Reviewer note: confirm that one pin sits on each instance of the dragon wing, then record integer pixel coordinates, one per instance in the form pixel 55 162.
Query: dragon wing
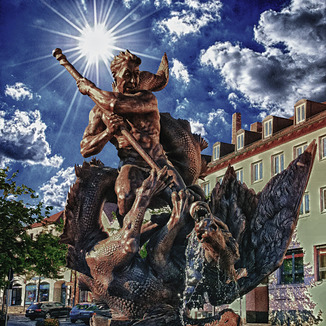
pixel 270 230
pixel 262 224
pixel 82 216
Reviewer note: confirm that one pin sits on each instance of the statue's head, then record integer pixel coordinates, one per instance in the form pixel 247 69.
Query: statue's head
pixel 199 210
pixel 125 70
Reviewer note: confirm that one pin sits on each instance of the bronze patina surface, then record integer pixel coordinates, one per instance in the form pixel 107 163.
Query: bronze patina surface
pixel 218 248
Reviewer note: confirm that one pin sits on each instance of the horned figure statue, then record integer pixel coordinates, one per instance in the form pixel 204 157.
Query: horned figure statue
pixel 221 247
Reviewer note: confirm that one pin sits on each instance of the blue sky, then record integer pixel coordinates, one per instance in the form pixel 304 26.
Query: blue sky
pixel 256 57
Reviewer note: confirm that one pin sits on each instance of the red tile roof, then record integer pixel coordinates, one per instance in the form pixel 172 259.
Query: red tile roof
pixel 285 135
pixel 55 218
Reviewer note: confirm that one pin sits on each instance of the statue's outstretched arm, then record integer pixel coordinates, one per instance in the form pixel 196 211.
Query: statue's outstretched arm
pixel 101 128
pixel 140 102
pixel 104 99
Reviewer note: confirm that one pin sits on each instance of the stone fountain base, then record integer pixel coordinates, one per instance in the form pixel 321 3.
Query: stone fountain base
pixel 227 317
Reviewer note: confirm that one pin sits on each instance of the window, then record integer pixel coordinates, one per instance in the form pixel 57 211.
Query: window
pixel 216 152
pixel 292 268
pixel 267 128
pixel 277 163
pixel 205 187
pixel 257 171
pixel 298 150
pixel 322 147
pixel 305 207
pixel 239 174
pixel 323 199
pixel 320 262
pixel 44 291
pixel 30 293
pixel 240 143
pixel 300 113
pixel 84 296
pixel 16 298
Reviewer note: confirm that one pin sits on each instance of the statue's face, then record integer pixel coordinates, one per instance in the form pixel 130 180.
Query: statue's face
pixel 199 210
pixel 127 78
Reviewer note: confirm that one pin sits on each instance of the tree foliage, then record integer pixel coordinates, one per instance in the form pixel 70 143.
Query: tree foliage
pixel 42 255
pixel 46 255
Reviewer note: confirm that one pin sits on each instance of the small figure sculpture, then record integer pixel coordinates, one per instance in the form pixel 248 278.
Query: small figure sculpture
pixel 217 241
pixel 219 248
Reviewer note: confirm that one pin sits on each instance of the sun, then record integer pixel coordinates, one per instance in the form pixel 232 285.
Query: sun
pixel 95 31
pixel 96 43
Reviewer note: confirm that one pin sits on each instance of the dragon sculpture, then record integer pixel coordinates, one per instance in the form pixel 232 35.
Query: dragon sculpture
pixel 221 247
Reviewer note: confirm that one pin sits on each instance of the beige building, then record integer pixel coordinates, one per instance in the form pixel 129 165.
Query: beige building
pixel 24 289
pixel 298 287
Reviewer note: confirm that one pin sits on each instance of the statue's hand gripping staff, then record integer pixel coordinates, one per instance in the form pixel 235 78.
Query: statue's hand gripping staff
pixel 57 53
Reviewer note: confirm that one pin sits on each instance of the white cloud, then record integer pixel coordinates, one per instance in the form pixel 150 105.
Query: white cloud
pixel 217 116
pixel 179 71
pixel 233 99
pixel 56 189
pixel 197 127
pixel 237 101
pixel 301 27
pixel 22 138
pixel 182 105
pixel 129 3
pixel 275 79
pixel 83 3
pixel 190 19
pixel 158 3
pixel 4 162
pixel 18 92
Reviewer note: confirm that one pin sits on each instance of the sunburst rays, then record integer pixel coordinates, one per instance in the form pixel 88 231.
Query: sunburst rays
pixel 92 33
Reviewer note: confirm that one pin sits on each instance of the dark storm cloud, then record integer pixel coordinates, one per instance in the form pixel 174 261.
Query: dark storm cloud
pixel 22 138
pixel 275 79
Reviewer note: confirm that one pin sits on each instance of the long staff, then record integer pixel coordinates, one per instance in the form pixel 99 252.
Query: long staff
pixel 57 53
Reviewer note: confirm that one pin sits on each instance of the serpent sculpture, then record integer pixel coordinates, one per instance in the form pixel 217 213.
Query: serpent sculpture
pixel 219 247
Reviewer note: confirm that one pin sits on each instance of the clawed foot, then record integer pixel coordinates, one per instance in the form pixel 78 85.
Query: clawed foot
pixel 181 205
pixel 155 183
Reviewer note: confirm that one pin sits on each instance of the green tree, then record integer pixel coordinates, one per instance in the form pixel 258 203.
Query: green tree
pixel 41 256
pixel 46 256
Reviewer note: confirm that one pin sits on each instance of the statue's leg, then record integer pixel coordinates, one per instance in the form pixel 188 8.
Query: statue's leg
pixel 130 178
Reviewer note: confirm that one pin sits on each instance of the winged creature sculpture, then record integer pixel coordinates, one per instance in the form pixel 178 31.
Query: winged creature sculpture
pixel 223 247
pixel 261 226
pixel 220 248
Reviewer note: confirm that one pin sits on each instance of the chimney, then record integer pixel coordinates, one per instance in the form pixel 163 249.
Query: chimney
pixel 236 125
pixel 256 127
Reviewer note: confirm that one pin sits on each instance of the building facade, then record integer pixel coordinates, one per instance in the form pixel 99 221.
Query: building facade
pixel 25 287
pixel 298 288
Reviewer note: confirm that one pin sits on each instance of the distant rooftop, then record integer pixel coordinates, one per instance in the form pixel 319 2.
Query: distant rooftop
pixel 271 132
pixel 55 218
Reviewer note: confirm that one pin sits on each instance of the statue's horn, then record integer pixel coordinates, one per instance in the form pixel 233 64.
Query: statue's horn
pixel 155 82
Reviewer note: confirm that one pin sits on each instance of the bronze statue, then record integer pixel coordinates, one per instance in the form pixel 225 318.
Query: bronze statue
pixel 221 247
pixel 133 106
